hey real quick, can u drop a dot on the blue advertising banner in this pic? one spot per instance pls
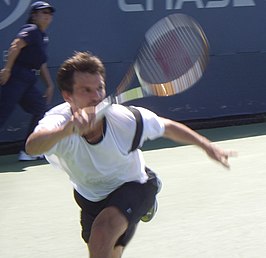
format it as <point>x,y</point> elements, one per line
<point>233,84</point>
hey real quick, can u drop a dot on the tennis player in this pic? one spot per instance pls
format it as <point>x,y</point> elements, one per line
<point>112,185</point>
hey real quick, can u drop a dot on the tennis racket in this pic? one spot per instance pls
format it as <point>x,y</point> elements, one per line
<point>172,58</point>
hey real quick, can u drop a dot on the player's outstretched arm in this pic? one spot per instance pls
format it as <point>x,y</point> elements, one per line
<point>42,141</point>
<point>82,122</point>
<point>180,133</point>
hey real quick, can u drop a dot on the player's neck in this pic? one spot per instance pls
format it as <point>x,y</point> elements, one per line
<point>97,134</point>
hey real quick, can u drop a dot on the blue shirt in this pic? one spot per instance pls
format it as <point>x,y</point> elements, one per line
<point>34,54</point>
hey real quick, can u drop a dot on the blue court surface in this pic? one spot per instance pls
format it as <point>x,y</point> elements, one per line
<point>205,210</point>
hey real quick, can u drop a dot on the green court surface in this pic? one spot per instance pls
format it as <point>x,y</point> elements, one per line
<point>205,210</point>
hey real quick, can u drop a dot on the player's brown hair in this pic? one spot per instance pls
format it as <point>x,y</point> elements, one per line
<point>79,62</point>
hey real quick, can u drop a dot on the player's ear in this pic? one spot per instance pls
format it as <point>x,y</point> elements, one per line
<point>67,96</point>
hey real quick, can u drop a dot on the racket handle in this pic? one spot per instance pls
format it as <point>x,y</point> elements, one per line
<point>101,108</point>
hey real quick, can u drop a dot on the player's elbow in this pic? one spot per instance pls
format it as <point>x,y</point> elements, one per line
<point>29,149</point>
<point>32,147</point>
<point>169,128</point>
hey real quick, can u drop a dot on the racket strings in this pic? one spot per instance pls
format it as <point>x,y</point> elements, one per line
<point>173,57</point>
<point>197,53</point>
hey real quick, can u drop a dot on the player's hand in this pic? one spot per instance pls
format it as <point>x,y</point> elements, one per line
<point>84,120</point>
<point>219,154</point>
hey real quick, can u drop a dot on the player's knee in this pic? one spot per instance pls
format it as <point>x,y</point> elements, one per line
<point>101,241</point>
<point>108,227</point>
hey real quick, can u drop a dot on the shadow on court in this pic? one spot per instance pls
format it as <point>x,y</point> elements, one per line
<point>10,163</point>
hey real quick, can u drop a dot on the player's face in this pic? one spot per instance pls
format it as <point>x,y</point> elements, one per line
<point>88,90</point>
<point>43,18</point>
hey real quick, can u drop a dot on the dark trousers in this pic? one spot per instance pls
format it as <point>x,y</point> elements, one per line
<point>20,90</point>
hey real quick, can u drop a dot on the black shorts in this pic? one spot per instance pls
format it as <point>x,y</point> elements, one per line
<point>132,199</point>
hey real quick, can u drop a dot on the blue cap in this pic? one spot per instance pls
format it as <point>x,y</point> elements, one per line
<point>39,5</point>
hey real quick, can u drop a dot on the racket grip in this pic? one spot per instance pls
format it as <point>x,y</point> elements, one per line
<point>101,108</point>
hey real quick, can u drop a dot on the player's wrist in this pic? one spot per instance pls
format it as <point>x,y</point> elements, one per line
<point>204,143</point>
<point>70,128</point>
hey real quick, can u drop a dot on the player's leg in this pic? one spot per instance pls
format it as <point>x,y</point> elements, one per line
<point>154,179</point>
<point>108,226</point>
<point>133,200</point>
<point>117,252</point>
<point>89,213</point>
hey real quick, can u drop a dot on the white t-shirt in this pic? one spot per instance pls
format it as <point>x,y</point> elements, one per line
<point>96,170</point>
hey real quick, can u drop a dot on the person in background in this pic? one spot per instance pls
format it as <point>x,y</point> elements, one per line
<point>27,58</point>
<point>112,185</point>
